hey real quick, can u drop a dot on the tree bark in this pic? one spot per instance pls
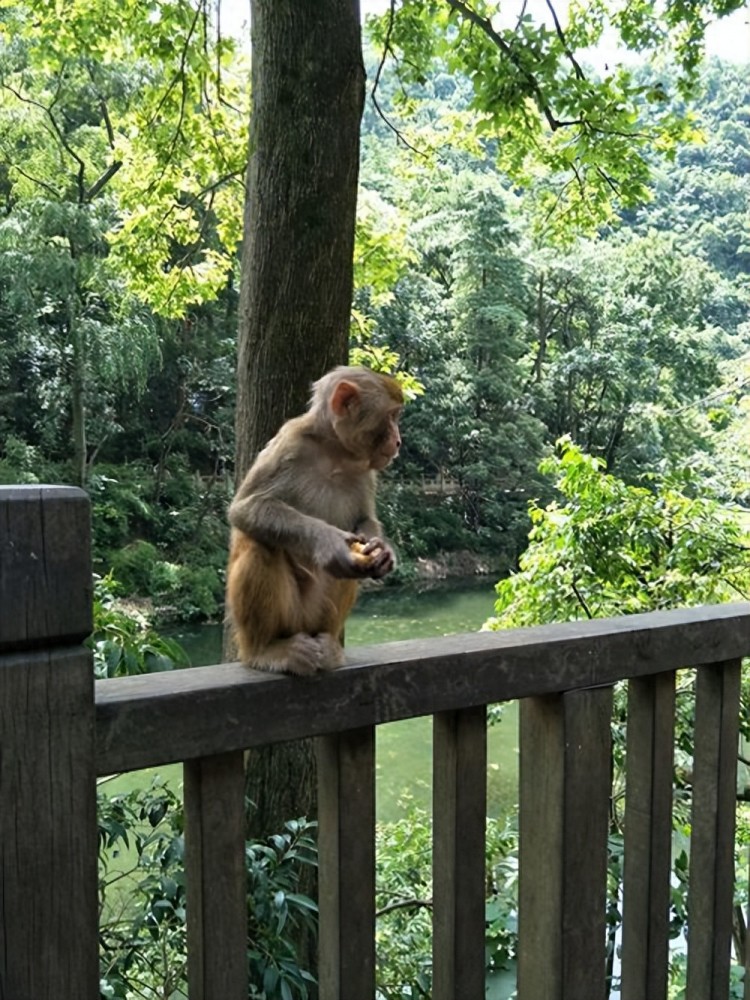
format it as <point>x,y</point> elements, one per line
<point>77,395</point>
<point>296,284</point>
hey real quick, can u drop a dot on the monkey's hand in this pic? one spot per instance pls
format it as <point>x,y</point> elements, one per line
<point>377,557</point>
<point>346,556</point>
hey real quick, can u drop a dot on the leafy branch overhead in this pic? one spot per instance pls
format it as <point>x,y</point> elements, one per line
<point>144,107</point>
<point>580,138</point>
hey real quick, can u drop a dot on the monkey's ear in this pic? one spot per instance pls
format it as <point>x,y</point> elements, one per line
<point>343,397</point>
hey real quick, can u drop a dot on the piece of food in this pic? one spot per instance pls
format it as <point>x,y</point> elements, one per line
<point>360,556</point>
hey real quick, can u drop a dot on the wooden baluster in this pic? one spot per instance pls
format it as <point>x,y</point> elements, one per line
<point>717,700</point>
<point>48,837</point>
<point>346,858</point>
<point>215,877</point>
<point>565,785</point>
<point>459,812</point>
<point>648,837</point>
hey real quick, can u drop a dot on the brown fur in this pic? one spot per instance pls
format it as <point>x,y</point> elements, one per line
<point>292,573</point>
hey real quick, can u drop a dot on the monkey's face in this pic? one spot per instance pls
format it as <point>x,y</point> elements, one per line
<point>365,408</point>
<point>387,441</point>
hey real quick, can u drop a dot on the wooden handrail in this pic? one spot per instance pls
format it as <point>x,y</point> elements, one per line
<point>157,718</point>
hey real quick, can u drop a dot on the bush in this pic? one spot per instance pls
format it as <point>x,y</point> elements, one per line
<point>123,642</point>
<point>189,593</point>
<point>142,936</point>
<point>120,510</point>
<point>142,900</point>
<point>404,903</point>
<point>21,463</point>
<point>164,536</point>
<point>133,567</point>
<point>611,548</point>
<point>180,591</point>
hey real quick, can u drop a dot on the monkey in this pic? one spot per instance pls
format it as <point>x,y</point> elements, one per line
<point>304,529</point>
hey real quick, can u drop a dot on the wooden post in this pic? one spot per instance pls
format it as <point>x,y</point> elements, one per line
<point>459,815</point>
<point>711,884</point>
<point>565,784</point>
<point>648,837</point>
<point>346,859</point>
<point>48,837</point>
<point>215,877</point>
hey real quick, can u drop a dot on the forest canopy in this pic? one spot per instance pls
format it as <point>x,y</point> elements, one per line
<point>548,249</point>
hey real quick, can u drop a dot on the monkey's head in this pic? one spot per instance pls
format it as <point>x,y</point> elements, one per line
<point>363,409</point>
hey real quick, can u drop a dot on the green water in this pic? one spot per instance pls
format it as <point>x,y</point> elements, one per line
<point>404,749</point>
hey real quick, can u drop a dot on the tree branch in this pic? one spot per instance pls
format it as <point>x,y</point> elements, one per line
<point>561,35</point>
<point>376,81</point>
<point>485,25</point>
<point>56,129</point>
<point>179,77</point>
<point>404,904</point>
<point>107,122</point>
<point>104,179</point>
<point>35,180</point>
<point>580,599</point>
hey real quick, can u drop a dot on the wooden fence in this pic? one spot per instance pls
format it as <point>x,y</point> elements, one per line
<point>58,731</point>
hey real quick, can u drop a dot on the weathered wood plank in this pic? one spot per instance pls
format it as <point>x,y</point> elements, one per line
<point>565,784</point>
<point>48,875</point>
<point>588,787</point>
<point>215,877</point>
<point>158,718</point>
<point>711,884</point>
<point>346,860</point>
<point>459,812</point>
<point>541,818</point>
<point>648,837</point>
<point>45,568</point>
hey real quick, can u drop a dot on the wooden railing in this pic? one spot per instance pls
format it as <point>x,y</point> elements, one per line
<point>58,731</point>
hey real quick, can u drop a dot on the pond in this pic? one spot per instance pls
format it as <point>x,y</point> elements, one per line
<point>404,764</point>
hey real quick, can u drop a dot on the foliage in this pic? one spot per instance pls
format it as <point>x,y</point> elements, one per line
<point>276,908</point>
<point>404,903</point>
<point>121,173</point>
<point>592,134</point>
<point>142,899</point>
<point>115,99</point>
<point>458,322</point>
<point>607,548</point>
<point>614,549</point>
<point>184,513</point>
<point>23,463</point>
<point>625,349</point>
<point>142,893</point>
<point>119,160</point>
<point>124,642</point>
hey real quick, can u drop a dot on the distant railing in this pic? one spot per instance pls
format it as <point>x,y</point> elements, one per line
<point>58,731</point>
<point>440,484</point>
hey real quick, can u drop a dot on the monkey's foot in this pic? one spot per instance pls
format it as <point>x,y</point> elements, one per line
<point>310,653</point>
<point>301,654</point>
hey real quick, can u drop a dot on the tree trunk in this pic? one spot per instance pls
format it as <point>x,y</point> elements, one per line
<point>296,284</point>
<point>77,396</point>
